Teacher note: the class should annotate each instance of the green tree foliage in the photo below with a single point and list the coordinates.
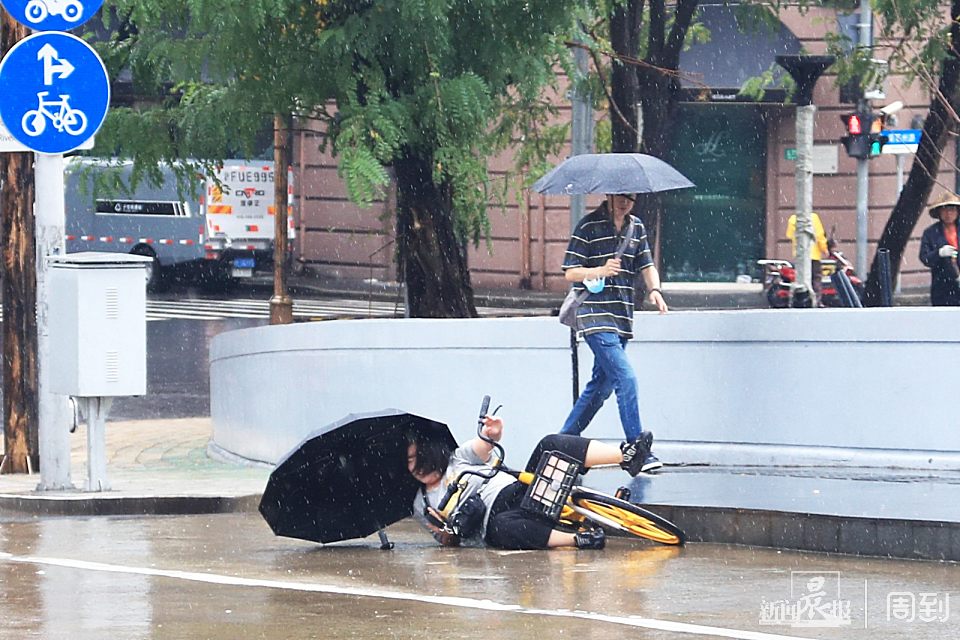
(427, 89)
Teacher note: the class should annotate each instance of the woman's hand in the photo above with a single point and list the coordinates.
(492, 428)
(444, 537)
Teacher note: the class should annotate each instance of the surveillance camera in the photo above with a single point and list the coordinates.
(891, 108)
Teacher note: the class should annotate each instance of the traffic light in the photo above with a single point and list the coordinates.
(877, 139)
(864, 137)
(857, 140)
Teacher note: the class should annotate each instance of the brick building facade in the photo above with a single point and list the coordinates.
(738, 152)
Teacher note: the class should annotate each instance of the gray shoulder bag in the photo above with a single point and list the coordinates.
(568, 309)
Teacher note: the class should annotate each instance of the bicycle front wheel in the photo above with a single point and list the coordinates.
(627, 517)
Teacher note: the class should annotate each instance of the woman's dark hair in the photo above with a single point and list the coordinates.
(432, 454)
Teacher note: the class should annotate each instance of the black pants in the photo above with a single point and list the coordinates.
(509, 526)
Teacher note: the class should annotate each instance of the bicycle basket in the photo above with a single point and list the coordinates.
(553, 480)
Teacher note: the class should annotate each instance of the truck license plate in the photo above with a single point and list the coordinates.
(243, 263)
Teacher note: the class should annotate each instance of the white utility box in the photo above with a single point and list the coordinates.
(98, 324)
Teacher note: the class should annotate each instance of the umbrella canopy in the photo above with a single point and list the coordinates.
(348, 479)
(611, 173)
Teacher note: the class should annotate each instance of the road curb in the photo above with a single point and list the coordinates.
(106, 505)
(847, 535)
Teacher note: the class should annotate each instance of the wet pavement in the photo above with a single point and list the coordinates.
(165, 467)
(211, 568)
(226, 576)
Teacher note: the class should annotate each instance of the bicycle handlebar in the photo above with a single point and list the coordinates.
(496, 466)
(484, 407)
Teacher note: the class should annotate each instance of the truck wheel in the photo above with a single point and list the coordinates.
(215, 278)
(157, 280)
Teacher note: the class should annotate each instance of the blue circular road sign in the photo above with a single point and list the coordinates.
(52, 15)
(55, 92)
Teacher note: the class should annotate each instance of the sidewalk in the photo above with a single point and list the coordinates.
(679, 295)
(162, 467)
(153, 466)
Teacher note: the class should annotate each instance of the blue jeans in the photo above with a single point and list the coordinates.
(611, 372)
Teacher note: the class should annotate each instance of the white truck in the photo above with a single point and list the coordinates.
(221, 233)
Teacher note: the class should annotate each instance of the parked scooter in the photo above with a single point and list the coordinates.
(779, 276)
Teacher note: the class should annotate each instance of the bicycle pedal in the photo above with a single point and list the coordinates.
(623, 493)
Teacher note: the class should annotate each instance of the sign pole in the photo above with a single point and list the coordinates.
(55, 97)
(54, 416)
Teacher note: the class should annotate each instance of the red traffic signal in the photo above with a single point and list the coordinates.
(864, 137)
(854, 123)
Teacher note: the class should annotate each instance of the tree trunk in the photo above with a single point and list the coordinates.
(281, 304)
(20, 381)
(431, 258)
(659, 91)
(938, 126)
(659, 103)
(625, 22)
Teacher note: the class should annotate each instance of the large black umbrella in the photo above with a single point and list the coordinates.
(611, 173)
(348, 479)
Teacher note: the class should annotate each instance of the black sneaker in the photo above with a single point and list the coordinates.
(650, 463)
(637, 457)
(590, 539)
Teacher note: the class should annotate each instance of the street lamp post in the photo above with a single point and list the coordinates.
(805, 70)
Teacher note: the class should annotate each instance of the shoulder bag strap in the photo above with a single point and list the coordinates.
(627, 237)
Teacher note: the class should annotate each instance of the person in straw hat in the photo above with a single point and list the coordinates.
(938, 250)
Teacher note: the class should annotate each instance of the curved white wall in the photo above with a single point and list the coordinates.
(863, 387)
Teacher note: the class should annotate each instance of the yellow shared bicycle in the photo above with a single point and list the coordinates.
(554, 492)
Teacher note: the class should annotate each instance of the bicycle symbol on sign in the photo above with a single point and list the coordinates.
(65, 118)
(38, 10)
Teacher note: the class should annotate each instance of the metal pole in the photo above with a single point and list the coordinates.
(96, 409)
(575, 364)
(863, 167)
(581, 125)
(804, 185)
(883, 259)
(54, 413)
(899, 173)
(581, 133)
(863, 221)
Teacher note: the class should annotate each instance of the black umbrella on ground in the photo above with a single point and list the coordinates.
(611, 173)
(348, 479)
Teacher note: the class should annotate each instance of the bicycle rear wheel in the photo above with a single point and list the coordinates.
(627, 517)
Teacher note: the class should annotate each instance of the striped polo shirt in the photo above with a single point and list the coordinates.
(594, 241)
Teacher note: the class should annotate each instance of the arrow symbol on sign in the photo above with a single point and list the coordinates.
(53, 64)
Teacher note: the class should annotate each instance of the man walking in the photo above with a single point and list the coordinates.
(605, 319)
